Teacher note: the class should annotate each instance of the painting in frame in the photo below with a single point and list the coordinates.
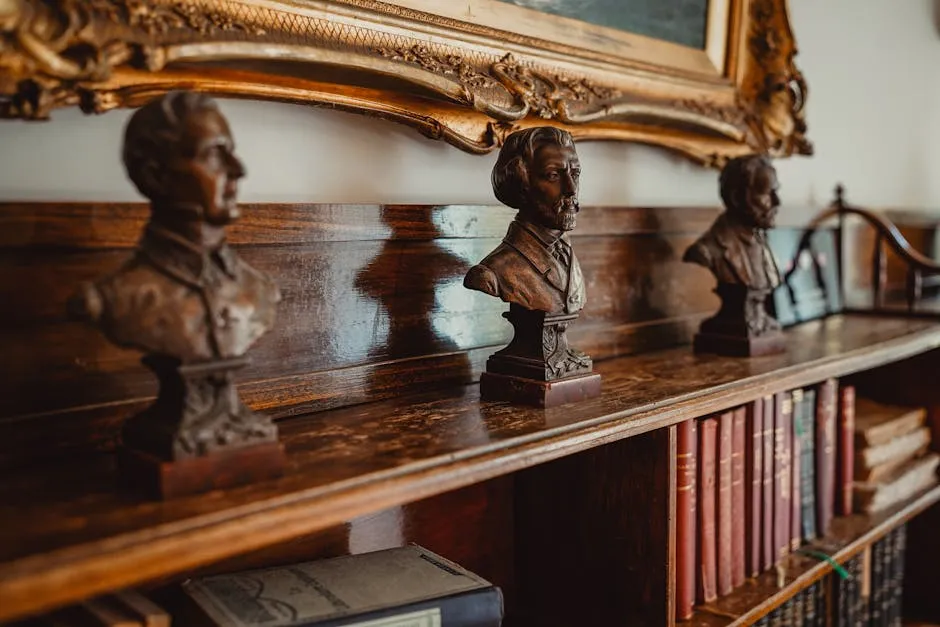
(712, 79)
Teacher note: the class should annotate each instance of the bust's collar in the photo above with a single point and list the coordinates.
(183, 260)
(731, 229)
(547, 237)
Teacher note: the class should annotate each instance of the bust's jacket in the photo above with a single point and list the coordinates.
(523, 271)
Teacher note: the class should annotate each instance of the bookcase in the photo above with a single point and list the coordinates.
(371, 374)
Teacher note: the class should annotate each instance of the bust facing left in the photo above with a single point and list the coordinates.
(188, 301)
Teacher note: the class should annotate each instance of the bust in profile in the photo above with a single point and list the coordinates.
(735, 247)
(537, 173)
(185, 294)
(185, 298)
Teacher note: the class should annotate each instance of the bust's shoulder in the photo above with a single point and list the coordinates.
(708, 245)
(482, 278)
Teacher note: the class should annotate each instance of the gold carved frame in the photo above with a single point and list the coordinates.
(467, 72)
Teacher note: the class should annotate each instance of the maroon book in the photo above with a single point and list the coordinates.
(686, 442)
(825, 455)
(706, 589)
(783, 491)
(846, 450)
(738, 527)
(796, 501)
(725, 441)
(767, 552)
(753, 481)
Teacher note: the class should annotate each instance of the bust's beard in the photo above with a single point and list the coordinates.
(566, 213)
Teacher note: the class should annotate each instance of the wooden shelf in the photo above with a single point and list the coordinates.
(849, 536)
(67, 533)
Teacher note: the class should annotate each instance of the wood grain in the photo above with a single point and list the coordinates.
(73, 535)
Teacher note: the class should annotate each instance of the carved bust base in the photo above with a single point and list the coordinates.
(743, 327)
(197, 435)
(538, 367)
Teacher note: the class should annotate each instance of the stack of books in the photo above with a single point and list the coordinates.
(868, 592)
(756, 482)
(891, 459)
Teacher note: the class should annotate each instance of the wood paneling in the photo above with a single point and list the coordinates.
(373, 306)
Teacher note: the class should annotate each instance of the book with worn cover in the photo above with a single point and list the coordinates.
(706, 584)
(738, 530)
(796, 472)
(878, 423)
(753, 482)
(825, 455)
(687, 437)
(768, 554)
(401, 587)
(900, 485)
(725, 556)
(899, 449)
(806, 431)
(783, 490)
(846, 449)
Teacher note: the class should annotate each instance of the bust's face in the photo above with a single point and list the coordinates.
(553, 187)
(206, 171)
(761, 200)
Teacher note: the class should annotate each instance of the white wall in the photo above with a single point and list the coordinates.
(873, 68)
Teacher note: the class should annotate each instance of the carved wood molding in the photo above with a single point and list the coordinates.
(461, 82)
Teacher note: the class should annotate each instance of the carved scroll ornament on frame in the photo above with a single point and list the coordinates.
(465, 83)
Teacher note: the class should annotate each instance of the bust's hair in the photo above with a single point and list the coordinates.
(153, 133)
(510, 174)
(737, 175)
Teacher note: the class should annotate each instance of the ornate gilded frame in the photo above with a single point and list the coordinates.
(451, 73)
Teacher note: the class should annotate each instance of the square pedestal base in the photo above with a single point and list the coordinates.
(501, 387)
(740, 346)
(169, 479)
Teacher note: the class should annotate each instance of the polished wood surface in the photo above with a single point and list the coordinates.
(74, 535)
(594, 535)
(373, 306)
(849, 535)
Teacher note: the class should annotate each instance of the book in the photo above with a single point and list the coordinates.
(396, 587)
(825, 455)
(783, 491)
(753, 482)
(686, 444)
(724, 511)
(706, 583)
(899, 449)
(845, 452)
(738, 528)
(902, 484)
(879, 423)
(805, 429)
(796, 479)
(768, 552)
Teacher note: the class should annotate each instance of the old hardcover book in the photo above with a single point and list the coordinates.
(686, 444)
(706, 551)
(876, 600)
(809, 606)
(825, 455)
(768, 551)
(783, 491)
(739, 529)
(753, 481)
(401, 587)
(878, 423)
(806, 432)
(796, 477)
(902, 484)
(899, 449)
(845, 452)
(725, 548)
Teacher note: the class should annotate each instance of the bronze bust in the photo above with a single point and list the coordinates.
(185, 298)
(736, 251)
(536, 271)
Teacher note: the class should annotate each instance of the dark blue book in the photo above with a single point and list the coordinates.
(806, 431)
(402, 586)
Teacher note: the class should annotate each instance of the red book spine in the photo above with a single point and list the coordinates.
(753, 481)
(706, 582)
(796, 502)
(825, 455)
(738, 528)
(686, 441)
(846, 452)
(725, 440)
(783, 455)
(767, 487)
